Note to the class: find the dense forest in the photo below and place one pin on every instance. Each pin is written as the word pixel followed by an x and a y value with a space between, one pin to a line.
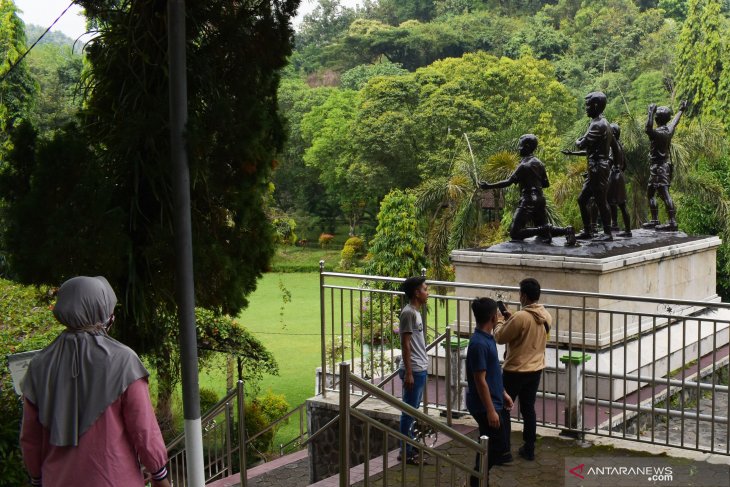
pixel 430 96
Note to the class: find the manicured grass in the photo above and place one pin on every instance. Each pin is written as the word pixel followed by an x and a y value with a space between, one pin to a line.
pixel 290 331
pixel 304 259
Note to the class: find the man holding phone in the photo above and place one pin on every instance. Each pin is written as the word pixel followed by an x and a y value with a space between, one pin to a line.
pixel 525 333
pixel 486 398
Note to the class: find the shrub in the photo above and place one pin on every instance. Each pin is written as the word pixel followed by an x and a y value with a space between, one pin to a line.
pixel 260 413
pixel 26 323
pixel 208 399
pixel 348 257
pixel 284 228
pixel 357 244
pixel 325 239
pixel 377 322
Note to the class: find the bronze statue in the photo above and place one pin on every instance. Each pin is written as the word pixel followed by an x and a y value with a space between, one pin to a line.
pixel 660 167
pixel 531 177
pixel 596 145
pixel 616 194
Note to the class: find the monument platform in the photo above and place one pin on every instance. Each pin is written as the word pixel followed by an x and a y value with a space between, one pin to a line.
pixel 639 306
pixel 664 265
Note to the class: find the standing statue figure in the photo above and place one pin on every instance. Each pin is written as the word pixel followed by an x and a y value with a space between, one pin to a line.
pixel 617 184
pixel 596 144
pixel 660 167
pixel 531 177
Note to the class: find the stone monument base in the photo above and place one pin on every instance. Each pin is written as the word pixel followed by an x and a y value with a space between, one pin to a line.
pixel 628 323
pixel 662 265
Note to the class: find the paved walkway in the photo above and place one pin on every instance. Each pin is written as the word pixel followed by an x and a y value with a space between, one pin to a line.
pixel 548 470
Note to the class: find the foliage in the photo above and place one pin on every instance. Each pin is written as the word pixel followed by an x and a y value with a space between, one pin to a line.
pixel 260 413
pixel 357 244
pixel 451 205
pixel 113 195
pixel 698 59
pixel 336 349
pixel 26 323
pixel 325 239
pixel 298 186
pixel 415 44
pixel 319 29
pixel 357 77
pixel 208 399
pixel 17 90
pixel 397 248
pixel 57 69
pixel 376 322
pixel 284 226
pixel 353 250
pixel 327 129
pixel 303 259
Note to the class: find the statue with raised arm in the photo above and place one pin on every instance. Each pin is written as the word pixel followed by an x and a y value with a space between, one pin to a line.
pixel 595 144
pixel 531 178
pixel 660 165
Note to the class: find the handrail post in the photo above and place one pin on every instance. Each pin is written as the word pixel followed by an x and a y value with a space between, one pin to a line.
pixel 323 344
pixel 344 424
pixel 449 392
pixel 242 434
pixel 484 467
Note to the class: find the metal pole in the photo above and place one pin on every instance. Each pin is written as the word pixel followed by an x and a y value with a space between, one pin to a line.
pixel 344 424
pixel 323 344
pixel 242 434
pixel 183 243
pixel 449 382
pixel 484 466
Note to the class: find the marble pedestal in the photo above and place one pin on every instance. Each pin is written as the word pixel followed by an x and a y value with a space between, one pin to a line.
pixel 628 324
pixel 665 266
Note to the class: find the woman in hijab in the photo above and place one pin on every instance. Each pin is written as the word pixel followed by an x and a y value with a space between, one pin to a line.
pixel 87 415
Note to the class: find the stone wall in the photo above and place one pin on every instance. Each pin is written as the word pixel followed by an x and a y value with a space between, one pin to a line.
pixel 324 450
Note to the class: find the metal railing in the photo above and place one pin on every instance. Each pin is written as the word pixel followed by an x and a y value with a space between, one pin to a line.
pixel 648 369
pixel 223 437
pixel 445 465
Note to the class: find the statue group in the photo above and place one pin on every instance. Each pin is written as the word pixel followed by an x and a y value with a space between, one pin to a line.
pixel 604 186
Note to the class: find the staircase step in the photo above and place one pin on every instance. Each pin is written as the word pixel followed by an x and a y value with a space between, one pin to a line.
pixel 357 473
pixel 259 470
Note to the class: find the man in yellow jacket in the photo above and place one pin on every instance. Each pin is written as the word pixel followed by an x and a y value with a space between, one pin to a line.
pixel 525 333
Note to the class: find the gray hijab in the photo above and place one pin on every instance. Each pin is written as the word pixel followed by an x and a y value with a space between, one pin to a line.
pixel 84 370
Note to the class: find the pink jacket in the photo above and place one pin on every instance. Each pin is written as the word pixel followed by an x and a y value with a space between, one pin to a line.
pixel 107 454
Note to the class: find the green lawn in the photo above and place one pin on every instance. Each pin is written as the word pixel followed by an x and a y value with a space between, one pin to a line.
pixel 289 330
pixel 304 259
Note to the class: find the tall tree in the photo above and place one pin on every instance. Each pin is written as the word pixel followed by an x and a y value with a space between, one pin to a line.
pixel 17 87
pixel 398 245
pixel 699 58
pixel 235 50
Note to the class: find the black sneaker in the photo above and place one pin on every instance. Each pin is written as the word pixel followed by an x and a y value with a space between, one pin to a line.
pixel 506 458
pixel 527 454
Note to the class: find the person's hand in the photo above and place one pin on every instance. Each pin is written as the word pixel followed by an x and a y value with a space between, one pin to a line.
pixel 652 108
pixel 493 419
pixel 408 380
pixel 508 403
pixel 566 152
pixel 162 483
pixel 683 105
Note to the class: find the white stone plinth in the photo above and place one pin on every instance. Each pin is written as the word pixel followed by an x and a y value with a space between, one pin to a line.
pixel 649 265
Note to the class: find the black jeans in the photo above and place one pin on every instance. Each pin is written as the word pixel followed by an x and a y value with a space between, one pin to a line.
pixel 497 446
pixel 523 386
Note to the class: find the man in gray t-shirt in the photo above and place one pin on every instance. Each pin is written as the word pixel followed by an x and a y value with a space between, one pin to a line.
pixel 414 363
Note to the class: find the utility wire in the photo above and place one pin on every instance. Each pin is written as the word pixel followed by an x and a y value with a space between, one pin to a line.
pixel 10 70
